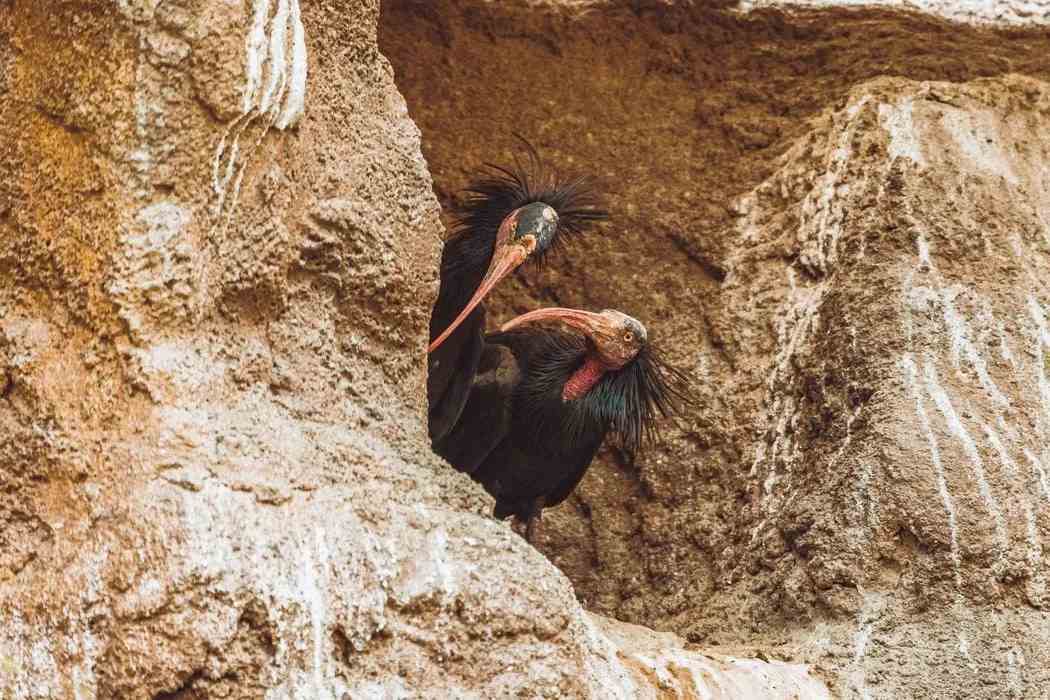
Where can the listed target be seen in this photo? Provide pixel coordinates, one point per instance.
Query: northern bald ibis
(544, 399)
(509, 215)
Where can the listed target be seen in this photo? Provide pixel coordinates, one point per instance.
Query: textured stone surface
(837, 221)
(218, 246)
(1002, 12)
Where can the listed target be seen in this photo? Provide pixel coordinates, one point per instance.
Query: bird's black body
(526, 444)
(452, 366)
(499, 195)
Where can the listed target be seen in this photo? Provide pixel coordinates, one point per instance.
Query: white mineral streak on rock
(275, 83)
(972, 327)
(255, 54)
(1034, 554)
(963, 347)
(141, 157)
(988, 319)
(911, 378)
(866, 515)
(274, 90)
(295, 98)
(867, 616)
(795, 326)
(225, 159)
(955, 425)
(284, 98)
(313, 582)
(1037, 469)
(822, 211)
(14, 674)
(1042, 343)
(960, 333)
(1004, 12)
(925, 263)
(1015, 663)
(964, 650)
(867, 501)
(683, 673)
(896, 119)
(822, 215)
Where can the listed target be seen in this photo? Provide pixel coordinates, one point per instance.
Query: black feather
(628, 402)
(499, 190)
(633, 396)
(529, 447)
(541, 414)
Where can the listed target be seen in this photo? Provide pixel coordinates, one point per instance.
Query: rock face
(218, 250)
(1027, 13)
(838, 221)
(218, 247)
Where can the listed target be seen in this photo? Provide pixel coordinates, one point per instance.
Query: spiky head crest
(500, 191)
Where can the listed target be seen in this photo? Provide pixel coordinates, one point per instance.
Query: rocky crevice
(214, 475)
(775, 178)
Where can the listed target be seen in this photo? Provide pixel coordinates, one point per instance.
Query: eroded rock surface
(218, 251)
(218, 246)
(837, 221)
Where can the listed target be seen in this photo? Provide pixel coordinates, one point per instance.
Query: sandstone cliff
(218, 248)
(838, 220)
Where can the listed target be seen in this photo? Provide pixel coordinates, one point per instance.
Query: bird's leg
(534, 517)
(530, 527)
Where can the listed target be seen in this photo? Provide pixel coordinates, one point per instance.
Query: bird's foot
(525, 526)
(530, 528)
(534, 518)
(520, 526)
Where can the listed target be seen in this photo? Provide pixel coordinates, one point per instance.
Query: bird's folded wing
(451, 374)
(575, 468)
(485, 420)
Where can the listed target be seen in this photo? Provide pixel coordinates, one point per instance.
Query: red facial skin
(616, 337)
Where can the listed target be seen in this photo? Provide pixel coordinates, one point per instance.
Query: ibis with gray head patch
(509, 216)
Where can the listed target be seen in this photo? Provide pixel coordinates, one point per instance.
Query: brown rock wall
(835, 220)
(218, 245)
(218, 251)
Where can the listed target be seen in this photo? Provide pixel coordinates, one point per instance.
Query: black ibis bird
(509, 215)
(544, 399)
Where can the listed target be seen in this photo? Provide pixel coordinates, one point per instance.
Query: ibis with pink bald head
(545, 397)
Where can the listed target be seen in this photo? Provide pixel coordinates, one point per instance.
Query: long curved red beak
(587, 321)
(505, 259)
